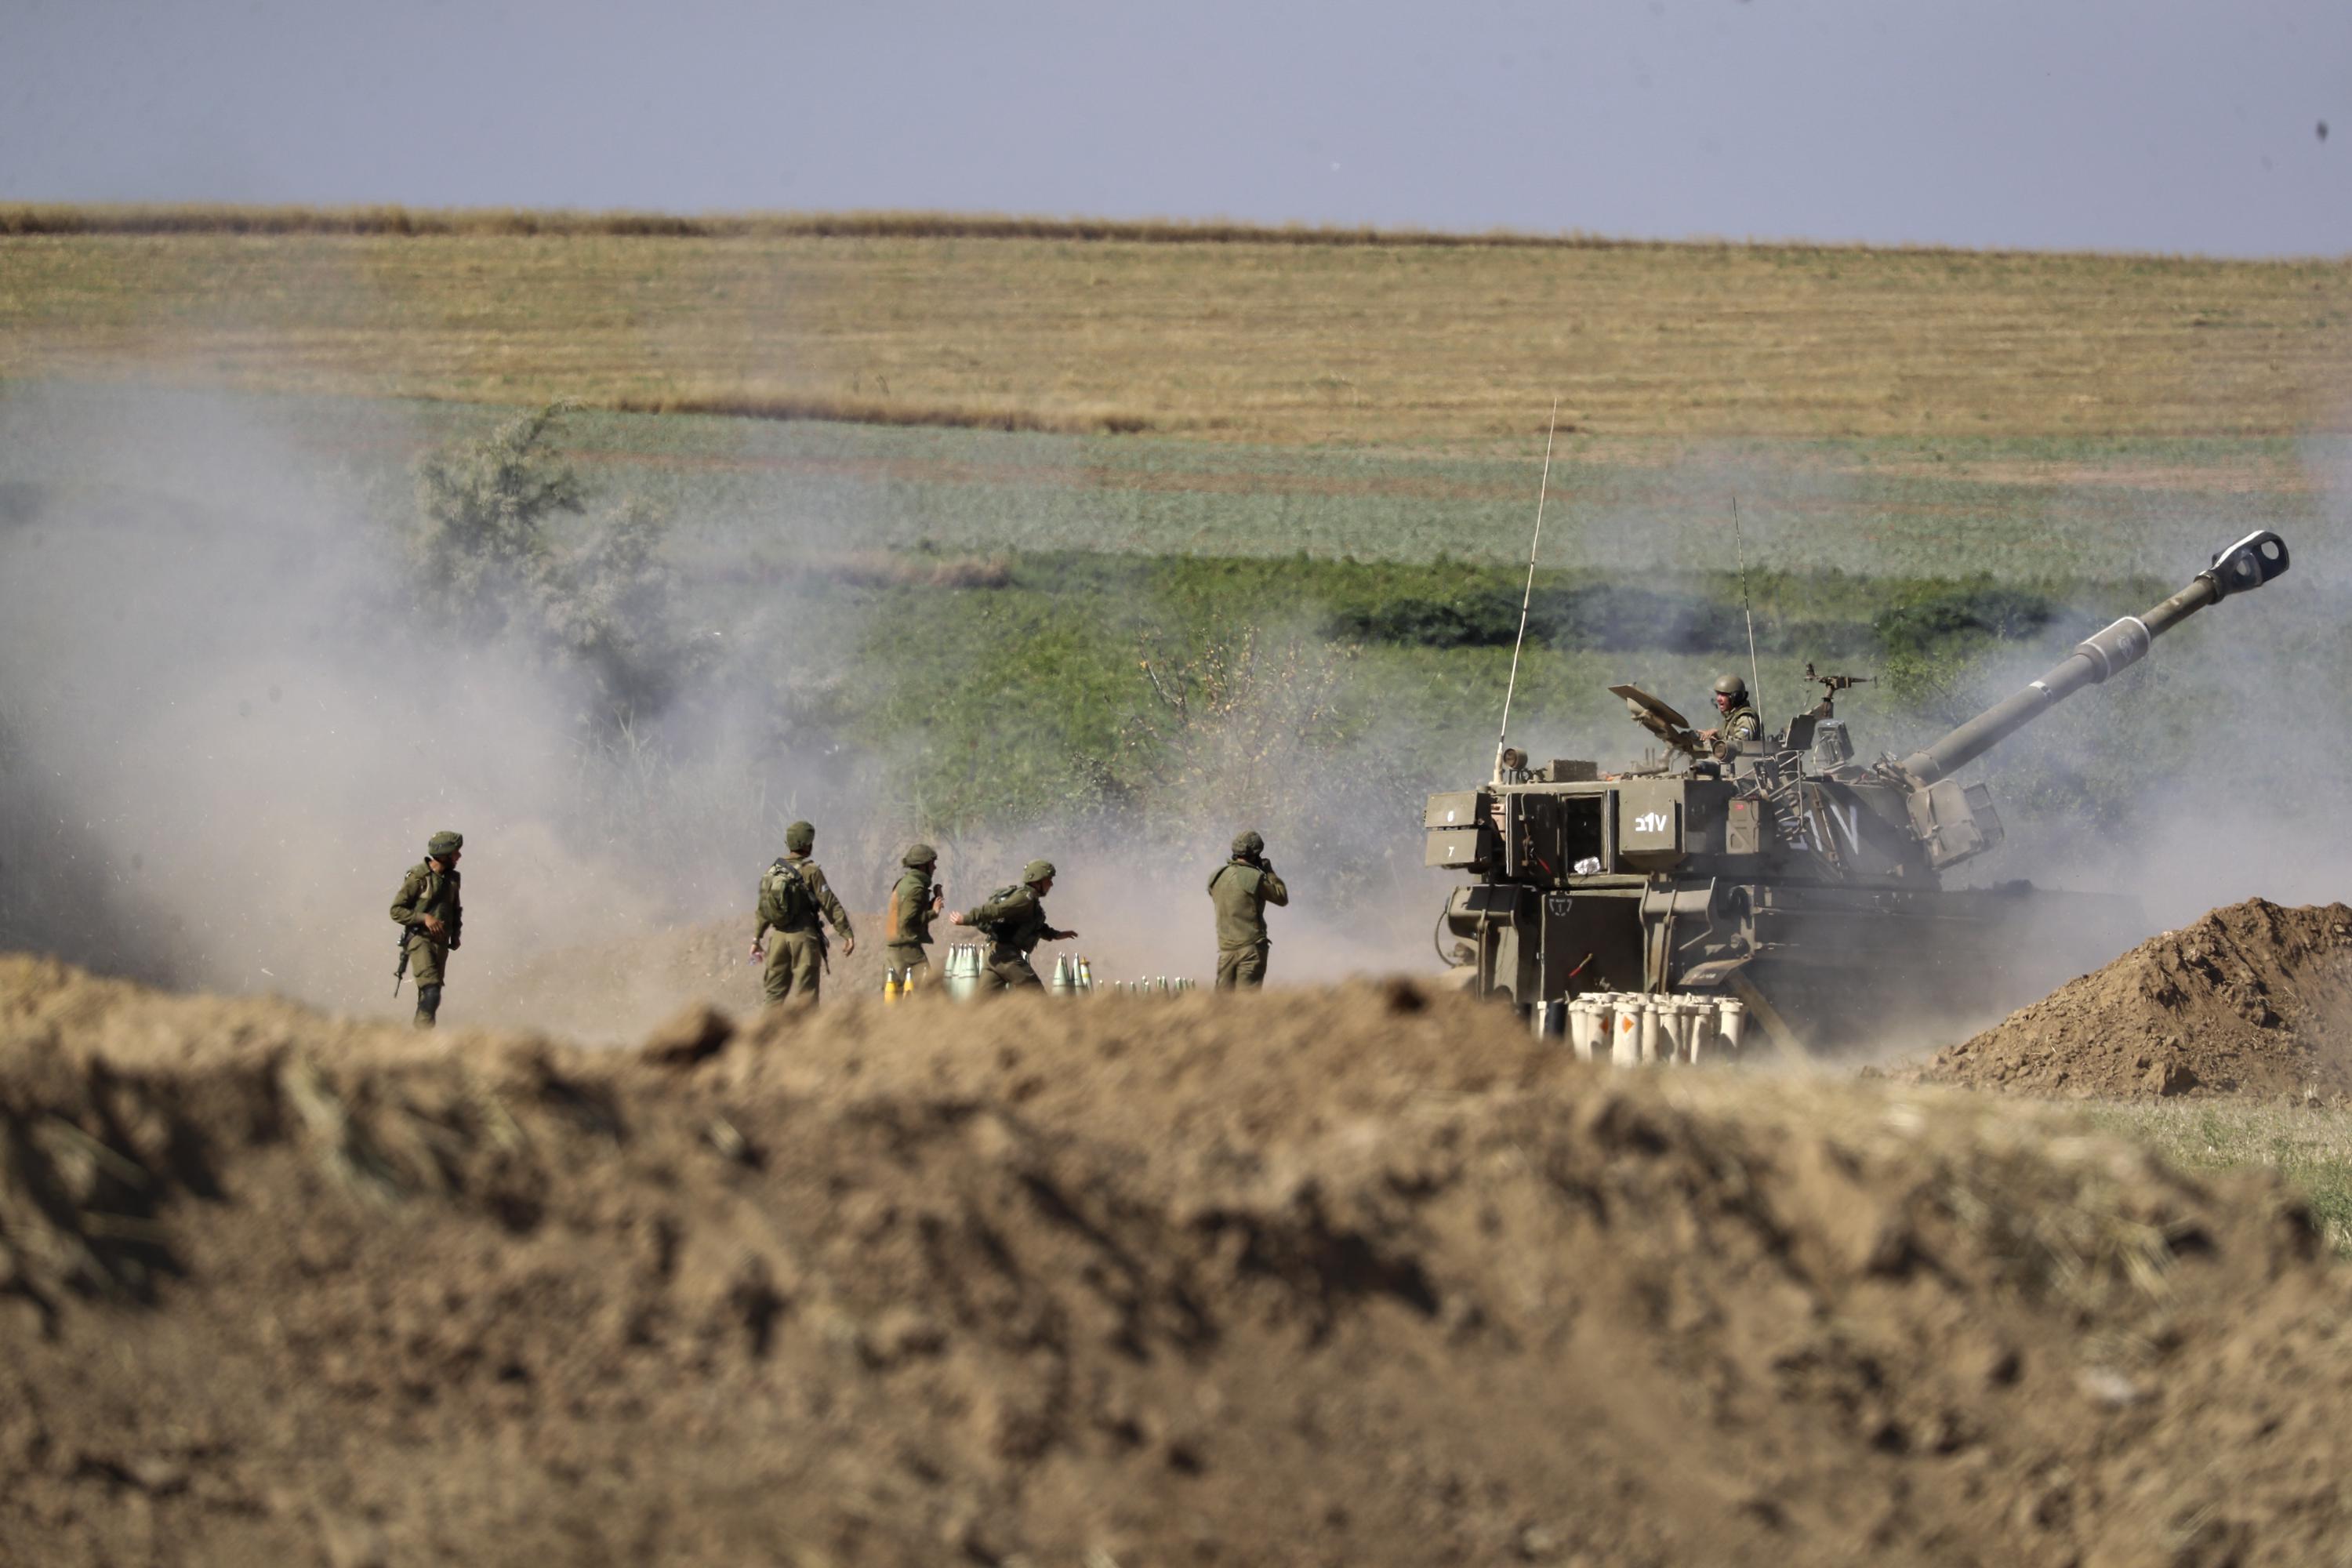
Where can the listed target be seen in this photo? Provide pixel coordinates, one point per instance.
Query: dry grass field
(1364, 341)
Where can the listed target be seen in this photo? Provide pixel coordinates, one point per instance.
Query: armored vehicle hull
(1821, 967)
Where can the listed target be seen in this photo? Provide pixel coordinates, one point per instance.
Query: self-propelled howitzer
(1788, 875)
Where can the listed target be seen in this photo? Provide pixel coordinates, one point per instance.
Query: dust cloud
(226, 733)
(227, 729)
(2226, 752)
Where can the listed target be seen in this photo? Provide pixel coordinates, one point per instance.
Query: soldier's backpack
(892, 928)
(994, 929)
(785, 896)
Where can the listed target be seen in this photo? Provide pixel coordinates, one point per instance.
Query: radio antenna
(1755, 680)
(1543, 490)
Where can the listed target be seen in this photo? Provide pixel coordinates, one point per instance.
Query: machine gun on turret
(1831, 686)
(1794, 876)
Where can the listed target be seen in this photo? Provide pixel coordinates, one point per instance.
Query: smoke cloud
(225, 738)
(228, 729)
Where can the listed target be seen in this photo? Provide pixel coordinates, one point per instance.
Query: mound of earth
(1360, 1277)
(617, 990)
(2251, 999)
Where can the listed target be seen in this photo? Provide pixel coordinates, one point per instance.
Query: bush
(1979, 610)
(1249, 729)
(496, 557)
(1594, 617)
(1477, 620)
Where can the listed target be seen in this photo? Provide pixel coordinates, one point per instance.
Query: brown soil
(2251, 999)
(1362, 1276)
(613, 991)
(617, 990)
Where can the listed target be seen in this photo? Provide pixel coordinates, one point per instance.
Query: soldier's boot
(428, 1005)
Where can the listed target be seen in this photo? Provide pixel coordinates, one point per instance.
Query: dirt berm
(2251, 999)
(1360, 1277)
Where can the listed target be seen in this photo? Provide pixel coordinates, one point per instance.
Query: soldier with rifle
(1241, 889)
(431, 920)
(1014, 920)
(793, 895)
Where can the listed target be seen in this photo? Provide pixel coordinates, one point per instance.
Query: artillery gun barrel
(2249, 564)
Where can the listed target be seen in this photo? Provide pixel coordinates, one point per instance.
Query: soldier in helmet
(793, 895)
(1014, 920)
(1740, 725)
(914, 904)
(1241, 889)
(427, 909)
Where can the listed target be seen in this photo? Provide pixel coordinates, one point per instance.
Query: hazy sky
(2108, 123)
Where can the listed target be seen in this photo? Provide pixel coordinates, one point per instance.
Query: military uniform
(1241, 889)
(1741, 727)
(909, 927)
(1014, 923)
(793, 895)
(431, 888)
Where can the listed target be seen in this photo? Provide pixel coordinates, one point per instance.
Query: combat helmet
(800, 838)
(1247, 843)
(919, 854)
(1038, 871)
(445, 843)
(1733, 687)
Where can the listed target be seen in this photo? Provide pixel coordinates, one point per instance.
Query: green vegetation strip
(2311, 1145)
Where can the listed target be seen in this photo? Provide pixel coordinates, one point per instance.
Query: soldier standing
(914, 904)
(1741, 722)
(1241, 889)
(427, 909)
(792, 896)
(1014, 920)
